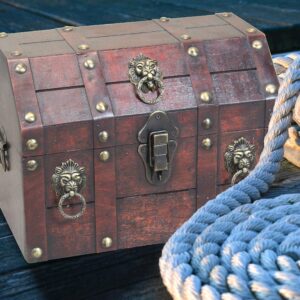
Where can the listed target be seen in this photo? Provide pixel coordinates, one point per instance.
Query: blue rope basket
(237, 246)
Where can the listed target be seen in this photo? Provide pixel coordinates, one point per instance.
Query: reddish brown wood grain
(71, 237)
(151, 219)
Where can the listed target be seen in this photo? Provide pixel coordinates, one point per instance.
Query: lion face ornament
(239, 159)
(146, 76)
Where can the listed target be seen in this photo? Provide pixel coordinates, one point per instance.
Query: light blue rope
(233, 248)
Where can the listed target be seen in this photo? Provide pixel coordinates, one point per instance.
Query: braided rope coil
(234, 248)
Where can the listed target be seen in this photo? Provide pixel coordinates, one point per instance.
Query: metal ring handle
(65, 197)
(160, 91)
(236, 175)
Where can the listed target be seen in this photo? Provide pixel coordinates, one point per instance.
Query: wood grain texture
(151, 219)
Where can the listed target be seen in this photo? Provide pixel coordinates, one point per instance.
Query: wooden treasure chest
(112, 136)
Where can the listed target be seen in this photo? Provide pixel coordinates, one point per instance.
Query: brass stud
(271, 88)
(32, 144)
(107, 242)
(206, 143)
(257, 44)
(16, 53)
(83, 47)
(3, 34)
(30, 117)
(104, 156)
(32, 165)
(103, 136)
(207, 123)
(36, 252)
(226, 14)
(89, 64)
(164, 19)
(102, 106)
(21, 68)
(185, 37)
(251, 30)
(193, 51)
(206, 96)
(67, 29)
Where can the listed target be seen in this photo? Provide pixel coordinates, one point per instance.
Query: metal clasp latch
(4, 159)
(158, 147)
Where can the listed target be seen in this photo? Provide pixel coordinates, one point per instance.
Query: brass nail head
(226, 14)
(251, 30)
(104, 156)
(107, 242)
(271, 88)
(193, 51)
(21, 68)
(32, 165)
(185, 37)
(36, 252)
(32, 144)
(257, 44)
(206, 96)
(83, 47)
(89, 64)
(102, 106)
(16, 53)
(67, 28)
(164, 19)
(207, 123)
(206, 143)
(103, 136)
(3, 34)
(30, 117)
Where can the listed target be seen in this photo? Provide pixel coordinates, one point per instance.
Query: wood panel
(84, 158)
(131, 179)
(207, 168)
(52, 72)
(153, 218)
(255, 137)
(71, 237)
(105, 200)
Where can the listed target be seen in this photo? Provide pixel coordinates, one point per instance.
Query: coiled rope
(234, 248)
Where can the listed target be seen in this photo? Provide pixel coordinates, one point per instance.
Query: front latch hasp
(158, 145)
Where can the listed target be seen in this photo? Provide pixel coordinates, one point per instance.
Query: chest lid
(73, 86)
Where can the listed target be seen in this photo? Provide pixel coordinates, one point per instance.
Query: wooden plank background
(127, 274)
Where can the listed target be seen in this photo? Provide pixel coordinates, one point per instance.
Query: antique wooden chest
(113, 135)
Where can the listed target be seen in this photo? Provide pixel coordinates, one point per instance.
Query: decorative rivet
(104, 156)
(89, 64)
(193, 51)
(164, 19)
(67, 28)
(107, 242)
(226, 14)
(251, 29)
(206, 143)
(36, 252)
(207, 123)
(206, 96)
(30, 117)
(32, 165)
(21, 68)
(185, 36)
(103, 136)
(257, 44)
(271, 88)
(32, 144)
(102, 106)
(83, 47)
(3, 34)
(16, 53)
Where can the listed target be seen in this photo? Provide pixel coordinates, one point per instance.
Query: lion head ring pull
(68, 180)
(239, 159)
(146, 76)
